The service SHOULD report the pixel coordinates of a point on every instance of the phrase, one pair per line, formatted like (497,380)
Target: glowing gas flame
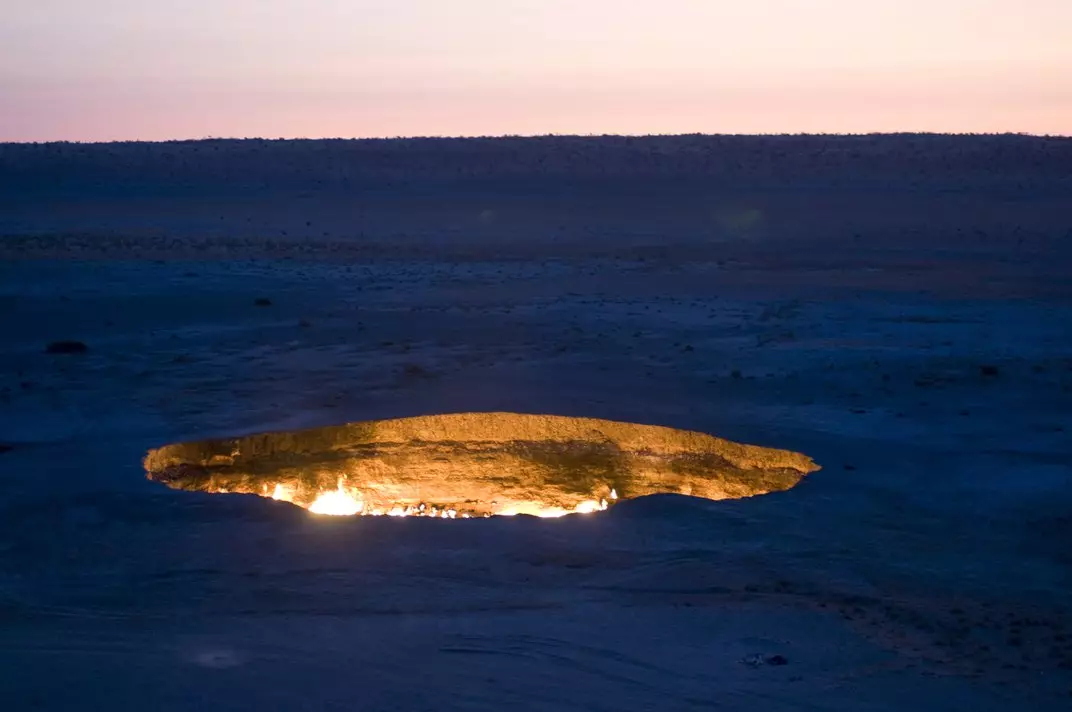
(589,506)
(337,503)
(340,502)
(467,465)
(535,509)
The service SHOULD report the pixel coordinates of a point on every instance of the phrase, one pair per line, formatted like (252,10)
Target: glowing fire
(590,506)
(536,510)
(344,502)
(341,502)
(467,465)
(337,503)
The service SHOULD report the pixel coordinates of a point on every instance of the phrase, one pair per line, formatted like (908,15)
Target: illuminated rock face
(476,464)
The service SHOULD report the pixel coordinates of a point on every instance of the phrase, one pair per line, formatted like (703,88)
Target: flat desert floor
(906,323)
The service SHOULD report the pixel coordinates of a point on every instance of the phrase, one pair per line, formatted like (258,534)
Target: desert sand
(898,309)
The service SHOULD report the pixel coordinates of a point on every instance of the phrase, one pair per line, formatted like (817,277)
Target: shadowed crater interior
(476,465)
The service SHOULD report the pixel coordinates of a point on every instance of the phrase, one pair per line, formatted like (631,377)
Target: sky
(101,70)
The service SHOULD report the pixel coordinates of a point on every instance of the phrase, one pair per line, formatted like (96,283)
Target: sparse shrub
(66,347)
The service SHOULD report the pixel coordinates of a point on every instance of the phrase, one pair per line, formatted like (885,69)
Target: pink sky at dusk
(131,69)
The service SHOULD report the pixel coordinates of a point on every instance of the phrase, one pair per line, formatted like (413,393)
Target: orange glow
(474,465)
(590,505)
(336,503)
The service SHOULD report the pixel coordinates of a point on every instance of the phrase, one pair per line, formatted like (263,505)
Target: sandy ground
(927,565)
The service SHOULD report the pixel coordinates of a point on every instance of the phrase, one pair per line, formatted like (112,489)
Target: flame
(337,503)
(589,506)
(533,509)
(341,503)
(536,510)
(344,502)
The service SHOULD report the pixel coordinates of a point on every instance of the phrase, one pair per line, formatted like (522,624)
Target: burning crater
(476,465)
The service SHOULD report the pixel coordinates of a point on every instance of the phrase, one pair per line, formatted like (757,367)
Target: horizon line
(462,137)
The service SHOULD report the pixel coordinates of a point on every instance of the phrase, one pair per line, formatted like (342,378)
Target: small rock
(66,347)
(757,659)
(988,370)
(262,302)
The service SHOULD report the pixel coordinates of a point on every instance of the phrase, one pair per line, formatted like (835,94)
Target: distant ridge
(773,161)
(496,137)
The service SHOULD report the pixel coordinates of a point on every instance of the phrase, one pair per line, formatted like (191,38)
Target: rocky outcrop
(479,463)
